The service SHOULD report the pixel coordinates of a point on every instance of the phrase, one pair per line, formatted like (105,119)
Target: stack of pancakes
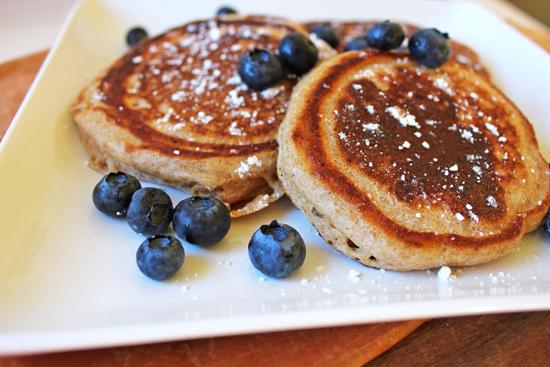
(396,165)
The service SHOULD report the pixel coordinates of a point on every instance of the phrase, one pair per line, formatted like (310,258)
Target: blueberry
(430,47)
(112,195)
(298,53)
(135,35)
(260,69)
(358,43)
(385,36)
(160,257)
(277,250)
(546,224)
(326,33)
(225,10)
(150,212)
(201,220)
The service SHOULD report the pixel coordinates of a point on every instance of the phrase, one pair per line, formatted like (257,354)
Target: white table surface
(28,26)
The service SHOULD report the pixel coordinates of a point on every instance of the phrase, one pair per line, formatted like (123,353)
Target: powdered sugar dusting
(188,77)
(425,138)
(244,168)
(404,118)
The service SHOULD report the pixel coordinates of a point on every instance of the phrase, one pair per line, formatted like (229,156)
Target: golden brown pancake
(404,168)
(173,110)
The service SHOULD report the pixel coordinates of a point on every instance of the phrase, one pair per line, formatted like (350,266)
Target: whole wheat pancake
(402,167)
(348,30)
(173,110)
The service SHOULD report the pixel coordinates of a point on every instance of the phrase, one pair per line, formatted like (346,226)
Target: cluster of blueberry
(277,250)
(428,47)
(260,69)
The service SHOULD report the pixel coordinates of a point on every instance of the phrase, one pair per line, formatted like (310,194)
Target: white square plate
(68,277)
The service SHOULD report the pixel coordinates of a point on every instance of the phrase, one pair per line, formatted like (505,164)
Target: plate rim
(160,332)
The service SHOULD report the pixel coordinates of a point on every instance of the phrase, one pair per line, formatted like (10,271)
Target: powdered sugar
(244,167)
(404,118)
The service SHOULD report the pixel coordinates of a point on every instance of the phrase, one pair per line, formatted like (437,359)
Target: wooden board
(518,339)
(15,78)
(344,346)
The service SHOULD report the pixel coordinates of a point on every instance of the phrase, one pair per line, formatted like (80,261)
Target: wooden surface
(345,346)
(521,340)
(492,340)
(15,78)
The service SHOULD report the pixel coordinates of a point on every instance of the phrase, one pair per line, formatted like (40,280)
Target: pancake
(173,110)
(402,167)
(348,30)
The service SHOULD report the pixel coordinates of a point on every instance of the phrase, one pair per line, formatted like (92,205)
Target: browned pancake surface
(405,168)
(180,94)
(434,158)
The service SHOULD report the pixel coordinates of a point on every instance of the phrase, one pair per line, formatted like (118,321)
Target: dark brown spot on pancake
(352,244)
(316,212)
